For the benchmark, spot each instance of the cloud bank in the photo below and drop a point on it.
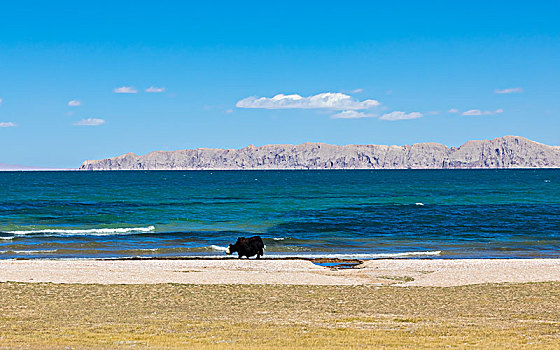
(125, 90)
(509, 91)
(90, 122)
(346, 106)
(398, 115)
(7, 125)
(74, 103)
(327, 100)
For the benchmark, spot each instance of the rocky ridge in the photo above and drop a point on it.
(502, 152)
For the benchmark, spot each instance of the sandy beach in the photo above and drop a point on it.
(434, 273)
(293, 304)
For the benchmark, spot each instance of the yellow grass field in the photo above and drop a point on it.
(91, 316)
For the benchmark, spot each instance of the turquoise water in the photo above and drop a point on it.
(363, 214)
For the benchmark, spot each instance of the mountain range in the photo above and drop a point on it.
(502, 152)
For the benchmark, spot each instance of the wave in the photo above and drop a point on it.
(27, 251)
(89, 232)
(364, 256)
(357, 255)
(182, 249)
(212, 252)
(218, 248)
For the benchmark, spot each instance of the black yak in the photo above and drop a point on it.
(247, 247)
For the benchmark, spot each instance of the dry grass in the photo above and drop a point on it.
(44, 316)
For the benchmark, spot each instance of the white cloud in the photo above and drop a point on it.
(398, 115)
(90, 122)
(0, 101)
(125, 90)
(453, 110)
(74, 103)
(352, 115)
(479, 112)
(356, 91)
(155, 89)
(473, 112)
(508, 90)
(327, 100)
(7, 125)
(229, 110)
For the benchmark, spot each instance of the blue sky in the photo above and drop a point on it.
(390, 72)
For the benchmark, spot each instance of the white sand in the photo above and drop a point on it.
(446, 273)
(219, 271)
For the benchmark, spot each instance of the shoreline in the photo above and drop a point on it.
(287, 271)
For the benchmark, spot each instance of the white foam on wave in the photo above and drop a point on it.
(419, 204)
(341, 255)
(359, 255)
(278, 238)
(218, 248)
(91, 232)
(27, 251)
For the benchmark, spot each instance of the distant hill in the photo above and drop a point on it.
(502, 152)
(13, 167)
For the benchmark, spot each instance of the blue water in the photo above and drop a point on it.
(363, 214)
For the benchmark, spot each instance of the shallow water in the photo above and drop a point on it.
(355, 213)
